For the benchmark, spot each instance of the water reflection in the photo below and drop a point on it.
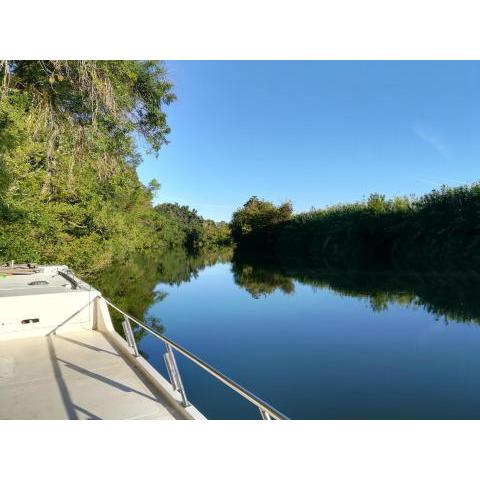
(131, 284)
(260, 282)
(239, 314)
(449, 296)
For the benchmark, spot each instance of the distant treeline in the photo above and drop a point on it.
(187, 228)
(440, 230)
(69, 189)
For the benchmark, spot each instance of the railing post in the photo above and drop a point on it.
(265, 415)
(127, 329)
(266, 411)
(174, 374)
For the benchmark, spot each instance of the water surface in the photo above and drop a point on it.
(316, 344)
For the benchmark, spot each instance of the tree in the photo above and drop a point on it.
(192, 230)
(257, 218)
(69, 191)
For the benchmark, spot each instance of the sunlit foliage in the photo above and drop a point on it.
(258, 221)
(192, 230)
(69, 190)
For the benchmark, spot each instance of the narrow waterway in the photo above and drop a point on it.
(316, 344)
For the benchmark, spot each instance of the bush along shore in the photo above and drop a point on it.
(438, 231)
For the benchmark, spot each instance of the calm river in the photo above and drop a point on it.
(316, 344)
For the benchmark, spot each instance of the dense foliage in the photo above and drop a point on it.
(438, 230)
(192, 230)
(69, 191)
(258, 221)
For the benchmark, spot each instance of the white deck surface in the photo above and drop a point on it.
(74, 375)
(51, 282)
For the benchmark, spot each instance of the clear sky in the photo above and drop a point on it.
(315, 133)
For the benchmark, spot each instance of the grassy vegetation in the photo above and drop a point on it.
(438, 230)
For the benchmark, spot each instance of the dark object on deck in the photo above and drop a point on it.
(20, 269)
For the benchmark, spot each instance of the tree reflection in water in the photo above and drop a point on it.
(450, 296)
(135, 284)
(132, 284)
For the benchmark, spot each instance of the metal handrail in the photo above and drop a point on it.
(266, 410)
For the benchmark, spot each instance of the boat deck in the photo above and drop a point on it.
(74, 375)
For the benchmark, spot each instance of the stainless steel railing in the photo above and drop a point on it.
(266, 411)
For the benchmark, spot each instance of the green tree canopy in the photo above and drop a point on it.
(69, 191)
(257, 217)
(193, 231)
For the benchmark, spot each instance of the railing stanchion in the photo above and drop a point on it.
(265, 415)
(127, 329)
(267, 411)
(174, 374)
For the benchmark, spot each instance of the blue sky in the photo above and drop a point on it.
(315, 133)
